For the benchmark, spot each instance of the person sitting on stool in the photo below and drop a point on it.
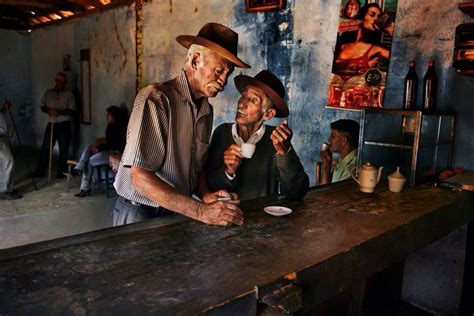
(98, 154)
(343, 141)
(7, 163)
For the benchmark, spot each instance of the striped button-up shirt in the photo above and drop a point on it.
(167, 134)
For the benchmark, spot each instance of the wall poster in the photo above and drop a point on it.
(362, 53)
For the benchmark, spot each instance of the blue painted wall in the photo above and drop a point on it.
(15, 78)
(296, 43)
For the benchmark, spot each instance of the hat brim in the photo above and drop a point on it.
(188, 40)
(241, 81)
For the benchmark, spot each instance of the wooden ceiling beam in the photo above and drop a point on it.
(30, 3)
(45, 4)
(44, 8)
(87, 3)
(112, 5)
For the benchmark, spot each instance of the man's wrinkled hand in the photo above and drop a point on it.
(281, 138)
(232, 159)
(222, 213)
(52, 112)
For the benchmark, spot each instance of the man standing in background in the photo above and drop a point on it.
(60, 106)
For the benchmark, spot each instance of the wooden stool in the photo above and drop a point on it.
(70, 165)
(108, 180)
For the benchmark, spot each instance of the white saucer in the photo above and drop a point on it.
(277, 210)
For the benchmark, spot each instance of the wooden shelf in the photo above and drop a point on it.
(466, 72)
(396, 142)
(467, 8)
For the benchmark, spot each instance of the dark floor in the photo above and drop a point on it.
(52, 211)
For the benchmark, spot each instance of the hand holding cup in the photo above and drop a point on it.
(232, 158)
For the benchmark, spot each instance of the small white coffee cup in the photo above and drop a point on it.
(247, 150)
(325, 146)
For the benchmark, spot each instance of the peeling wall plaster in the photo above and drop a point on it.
(15, 79)
(296, 43)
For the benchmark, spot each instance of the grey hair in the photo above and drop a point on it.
(194, 48)
(268, 102)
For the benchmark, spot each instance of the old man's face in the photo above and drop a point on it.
(251, 106)
(60, 82)
(212, 74)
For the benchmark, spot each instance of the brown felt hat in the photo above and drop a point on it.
(218, 38)
(270, 84)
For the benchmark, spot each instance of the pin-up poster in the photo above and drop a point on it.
(362, 54)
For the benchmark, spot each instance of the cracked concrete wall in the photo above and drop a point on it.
(297, 44)
(15, 79)
(432, 37)
(110, 37)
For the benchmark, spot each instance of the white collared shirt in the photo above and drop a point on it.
(253, 139)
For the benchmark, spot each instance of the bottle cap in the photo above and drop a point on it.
(431, 62)
(412, 63)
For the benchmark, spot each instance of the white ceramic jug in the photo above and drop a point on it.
(369, 176)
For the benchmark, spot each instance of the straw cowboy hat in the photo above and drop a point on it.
(270, 84)
(218, 38)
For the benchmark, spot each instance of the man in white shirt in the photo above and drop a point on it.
(60, 106)
(7, 163)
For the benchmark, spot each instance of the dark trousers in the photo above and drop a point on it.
(61, 133)
(126, 213)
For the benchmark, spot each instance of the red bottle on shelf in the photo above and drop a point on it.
(410, 88)
(430, 87)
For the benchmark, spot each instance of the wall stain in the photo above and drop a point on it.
(412, 35)
(171, 6)
(122, 47)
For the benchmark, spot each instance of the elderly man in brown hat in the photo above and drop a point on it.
(168, 135)
(274, 167)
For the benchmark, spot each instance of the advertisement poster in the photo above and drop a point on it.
(362, 53)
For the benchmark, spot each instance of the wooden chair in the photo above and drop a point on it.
(109, 176)
(70, 164)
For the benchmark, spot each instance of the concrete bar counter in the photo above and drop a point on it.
(335, 238)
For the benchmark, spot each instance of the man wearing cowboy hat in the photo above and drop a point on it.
(168, 135)
(274, 168)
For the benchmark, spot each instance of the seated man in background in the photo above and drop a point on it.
(343, 141)
(274, 167)
(7, 163)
